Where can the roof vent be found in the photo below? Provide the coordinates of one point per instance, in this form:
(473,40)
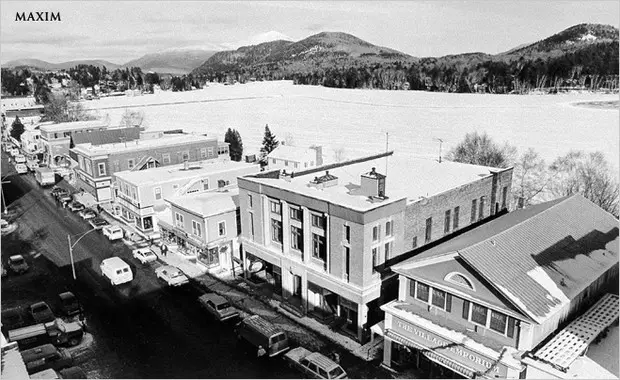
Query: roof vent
(326,180)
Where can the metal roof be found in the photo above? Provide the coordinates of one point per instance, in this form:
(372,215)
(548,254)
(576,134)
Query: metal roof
(566,346)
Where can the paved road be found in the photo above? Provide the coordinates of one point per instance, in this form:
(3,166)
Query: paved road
(141,330)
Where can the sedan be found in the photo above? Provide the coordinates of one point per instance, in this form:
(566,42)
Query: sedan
(41,312)
(56,191)
(218,306)
(173,276)
(144,255)
(88,214)
(76,206)
(98,223)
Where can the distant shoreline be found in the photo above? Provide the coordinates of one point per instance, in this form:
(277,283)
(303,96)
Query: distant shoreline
(601,104)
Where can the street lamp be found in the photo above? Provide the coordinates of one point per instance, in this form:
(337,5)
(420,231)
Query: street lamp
(73,245)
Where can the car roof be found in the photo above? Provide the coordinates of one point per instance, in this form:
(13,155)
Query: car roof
(113,227)
(322,361)
(66,295)
(40,303)
(144,250)
(114,262)
(215,298)
(15,257)
(38,351)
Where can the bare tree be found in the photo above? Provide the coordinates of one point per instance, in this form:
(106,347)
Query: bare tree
(480,149)
(530,178)
(339,154)
(289,139)
(132,118)
(587,174)
(61,110)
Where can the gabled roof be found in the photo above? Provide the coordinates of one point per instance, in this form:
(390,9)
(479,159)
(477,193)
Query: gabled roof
(539,258)
(293,153)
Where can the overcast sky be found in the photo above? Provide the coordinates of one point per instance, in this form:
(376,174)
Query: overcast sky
(121,31)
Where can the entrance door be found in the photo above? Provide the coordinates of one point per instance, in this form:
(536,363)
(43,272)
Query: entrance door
(296,286)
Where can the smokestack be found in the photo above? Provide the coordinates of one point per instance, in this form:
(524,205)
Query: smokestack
(319,155)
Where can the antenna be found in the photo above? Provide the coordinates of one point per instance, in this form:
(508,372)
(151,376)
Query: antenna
(440,145)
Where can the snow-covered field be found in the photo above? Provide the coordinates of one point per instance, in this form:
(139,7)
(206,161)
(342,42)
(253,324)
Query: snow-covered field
(357,120)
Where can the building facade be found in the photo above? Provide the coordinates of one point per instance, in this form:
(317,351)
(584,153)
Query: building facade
(56,140)
(97,164)
(477,304)
(320,236)
(290,157)
(139,196)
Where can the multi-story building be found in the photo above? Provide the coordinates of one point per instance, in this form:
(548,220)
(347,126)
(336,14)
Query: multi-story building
(139,196)
(205,227)
(58,139)
(26,108)
(290,157)
(476,304)
(320,236)
(97,164)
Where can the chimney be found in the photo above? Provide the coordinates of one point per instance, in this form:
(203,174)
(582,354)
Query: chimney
(319,154)
(185,165)
(373,184)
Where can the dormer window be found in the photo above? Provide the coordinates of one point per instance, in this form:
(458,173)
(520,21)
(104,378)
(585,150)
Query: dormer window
(460,279)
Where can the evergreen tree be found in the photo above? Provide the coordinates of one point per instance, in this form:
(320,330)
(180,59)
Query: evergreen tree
(233,138)
(17,129)
(269,143)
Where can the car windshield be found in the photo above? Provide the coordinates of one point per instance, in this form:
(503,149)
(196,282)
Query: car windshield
(334,373)
(17,260)
(223,306)
(39,308)
(175,273)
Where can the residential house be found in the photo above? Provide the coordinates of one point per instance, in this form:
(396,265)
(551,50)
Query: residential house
(293,158)
(320,236)
(205,227)
(97,164)
(139,196)
(475,305)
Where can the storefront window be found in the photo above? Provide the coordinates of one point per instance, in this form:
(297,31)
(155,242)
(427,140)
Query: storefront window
(210,257)
(422,293)
(498,322)
(479,314)
(148,223)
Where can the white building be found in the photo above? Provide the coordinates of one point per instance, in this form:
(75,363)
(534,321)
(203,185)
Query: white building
(293,158)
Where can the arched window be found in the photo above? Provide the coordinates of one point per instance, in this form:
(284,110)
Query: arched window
(460,279)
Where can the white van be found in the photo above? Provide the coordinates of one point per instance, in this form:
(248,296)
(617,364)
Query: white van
(20,159)
(116,270)
(21,168)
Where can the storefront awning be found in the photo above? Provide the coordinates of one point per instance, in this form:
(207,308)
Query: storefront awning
(432,355)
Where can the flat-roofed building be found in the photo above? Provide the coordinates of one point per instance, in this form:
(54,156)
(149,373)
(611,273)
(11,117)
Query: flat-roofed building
(139,196)
(321,236)
(289,157)
(482,301)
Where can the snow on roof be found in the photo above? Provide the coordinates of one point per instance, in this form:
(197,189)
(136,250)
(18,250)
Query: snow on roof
(142,144)
(293,153)
(74,125)
(177,172)
(208,203)
(406,177)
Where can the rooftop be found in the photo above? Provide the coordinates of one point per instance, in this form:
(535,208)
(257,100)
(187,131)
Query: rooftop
(178,172)
(293,153)
(74,125)
(208,203)
(538,258)
(406,177)
(137,145)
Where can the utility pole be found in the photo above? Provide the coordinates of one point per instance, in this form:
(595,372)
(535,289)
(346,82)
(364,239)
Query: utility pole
(440,145)
(6,210)
(71,249)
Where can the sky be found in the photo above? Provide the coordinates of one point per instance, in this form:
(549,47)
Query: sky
(119,31)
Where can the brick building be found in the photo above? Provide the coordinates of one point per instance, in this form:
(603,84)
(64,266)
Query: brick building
(320,236)
(97,164)
(475,305)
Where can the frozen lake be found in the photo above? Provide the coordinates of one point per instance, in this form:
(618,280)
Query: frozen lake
(357,120)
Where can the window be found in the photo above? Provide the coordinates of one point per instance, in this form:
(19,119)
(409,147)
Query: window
(429,226)
(117,166)
(474,202)
(285,162)
(465,314)
(422,292)
(273,161)
(439,298)
(411,288)
(511,327)
(81,162)
(455,223)
(498,322)
(203,152)
(388,247)
(178,218)
(504,195)
(347,263)
(479,314)
(481,208)
(318,221)
(252,225)
(221,228)
(238,220)
(196,228)
(275,207)
(101,167)
(250,200)
(446,223)
(157,192)
(297,238)
(375,259)
(185,156)
(375,233)
(296,164)
(130,163)
(295,213)
(347,233)
(166,158)
(318,247)
(414,242)
(210,151)
(460,279)
(205,184)
(276,231)
(388,228)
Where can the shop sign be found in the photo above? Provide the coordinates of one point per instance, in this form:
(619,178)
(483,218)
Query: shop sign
(449,348)
(256,266)
(103,184)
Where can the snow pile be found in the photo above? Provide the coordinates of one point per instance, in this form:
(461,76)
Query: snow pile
(588,37)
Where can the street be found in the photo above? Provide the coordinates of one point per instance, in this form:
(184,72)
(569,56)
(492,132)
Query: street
(140,330)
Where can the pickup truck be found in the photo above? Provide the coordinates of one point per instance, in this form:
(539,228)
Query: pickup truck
(314,365)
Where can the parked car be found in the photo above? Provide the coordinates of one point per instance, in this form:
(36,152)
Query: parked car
(173,276)
(12,319)
(218,306)
(58,332)
(76,206)
(14,152)
(144,255)
(20,159)
(69,304)
(314,365)
(98,223)
(45,374)
(116,270)
(87,214)
(17,264)
(261,333)
(113,232)
(41,312)
(21,168)
(64,196)
(7,227)
(4,273)
(44,357)
(73,373)
(56,191)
